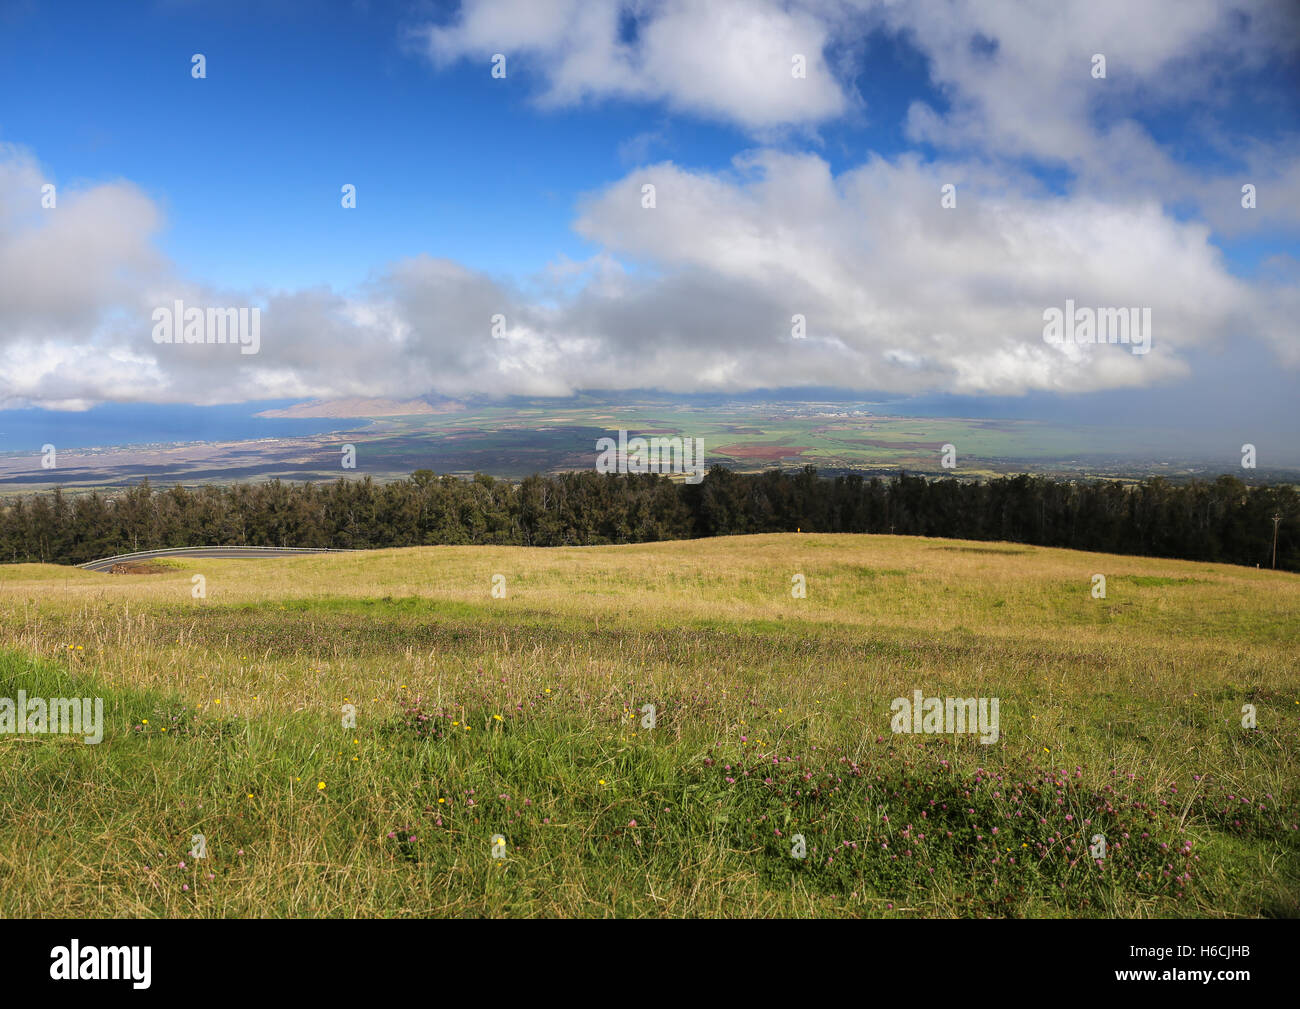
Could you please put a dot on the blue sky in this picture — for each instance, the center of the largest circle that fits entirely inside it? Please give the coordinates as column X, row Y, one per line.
column 816, row 195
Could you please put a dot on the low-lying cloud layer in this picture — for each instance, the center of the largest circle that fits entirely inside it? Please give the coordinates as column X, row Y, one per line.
column 895, row 292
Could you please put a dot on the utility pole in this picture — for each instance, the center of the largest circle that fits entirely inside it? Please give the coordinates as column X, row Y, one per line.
column 1276, row 519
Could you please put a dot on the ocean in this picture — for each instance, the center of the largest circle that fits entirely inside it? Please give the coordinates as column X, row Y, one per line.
column 116, row 424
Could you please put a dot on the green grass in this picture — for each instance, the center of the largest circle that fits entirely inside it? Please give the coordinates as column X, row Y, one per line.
column 1119, row 716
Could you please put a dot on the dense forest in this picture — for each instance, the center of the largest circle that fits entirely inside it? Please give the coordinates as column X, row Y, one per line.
column 1225, row 520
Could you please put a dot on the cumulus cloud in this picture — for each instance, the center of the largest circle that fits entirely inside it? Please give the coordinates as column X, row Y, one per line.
column 1020, row 75
column 900, row 293
column 728, row 59
column 897, row 293
column 59, row 267
column 1016, row 77
column 1020, row 83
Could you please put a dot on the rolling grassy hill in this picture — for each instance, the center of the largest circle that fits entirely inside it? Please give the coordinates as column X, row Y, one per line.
column 523, row 718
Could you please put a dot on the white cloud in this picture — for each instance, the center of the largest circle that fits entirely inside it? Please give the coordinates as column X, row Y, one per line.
column 1017, row 76
column 902, row 294
column 728, row 59
column 60, row 267
column 1032, row 92
column 898, row 294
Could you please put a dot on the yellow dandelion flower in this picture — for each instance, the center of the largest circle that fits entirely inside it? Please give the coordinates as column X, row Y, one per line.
column 602, row 781
column 498, row 718
column 320, row 785
column 145, row 721
column 442, row 800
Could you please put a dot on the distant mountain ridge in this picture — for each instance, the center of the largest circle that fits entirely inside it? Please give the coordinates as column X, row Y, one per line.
column 362, row 407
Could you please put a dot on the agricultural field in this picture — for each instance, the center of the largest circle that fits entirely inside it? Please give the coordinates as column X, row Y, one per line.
column 652, row 731
column 547, row 436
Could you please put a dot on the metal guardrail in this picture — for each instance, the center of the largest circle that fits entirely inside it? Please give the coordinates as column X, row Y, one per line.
column 101, row 562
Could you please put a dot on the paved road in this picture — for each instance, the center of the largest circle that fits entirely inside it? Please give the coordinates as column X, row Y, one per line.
column 104, row 563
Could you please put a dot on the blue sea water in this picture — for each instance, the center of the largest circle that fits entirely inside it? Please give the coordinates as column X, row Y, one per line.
column 115, row 424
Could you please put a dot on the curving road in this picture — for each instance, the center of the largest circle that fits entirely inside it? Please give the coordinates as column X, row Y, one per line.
column 105, row 563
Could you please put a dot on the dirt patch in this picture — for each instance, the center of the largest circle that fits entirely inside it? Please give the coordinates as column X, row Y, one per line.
column 145, row 568
column 987, row 550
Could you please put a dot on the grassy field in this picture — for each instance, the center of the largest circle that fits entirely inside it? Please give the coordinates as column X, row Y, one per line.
column 523, row 717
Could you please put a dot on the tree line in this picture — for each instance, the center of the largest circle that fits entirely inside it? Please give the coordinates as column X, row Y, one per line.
column 1220, row 520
